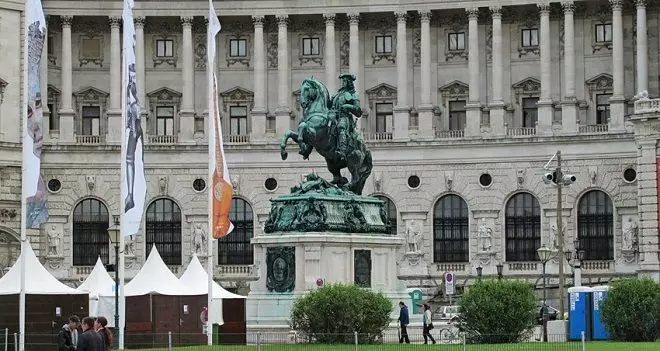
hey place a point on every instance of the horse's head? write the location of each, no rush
(311, 93)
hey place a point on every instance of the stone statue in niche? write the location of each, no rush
(54, 239)
(199, 239)
(162, 184)
(485, 236)
(629, 234)
(91, 182)
(413, 236)
(129, 246)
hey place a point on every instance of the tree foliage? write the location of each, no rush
(332, 313)
(497, 311)
(631, 310)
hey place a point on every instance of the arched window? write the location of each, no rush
(596, 226)
(523, 228)
(163, 228)
(390, 211)
(10, 249)
(236, 248)
(451, 230)
(90, 233)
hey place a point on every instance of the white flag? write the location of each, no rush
(220, 194)
(134, 188)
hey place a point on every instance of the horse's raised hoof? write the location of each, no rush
(284, 155)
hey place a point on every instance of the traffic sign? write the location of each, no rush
(449, 283)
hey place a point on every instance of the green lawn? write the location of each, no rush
(527, 346)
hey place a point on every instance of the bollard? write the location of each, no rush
(169, 341)
(584, 341)
(355, 334)
(464, 343)
(258, 341)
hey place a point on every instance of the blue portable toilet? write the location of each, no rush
(579, 312)
(598, 328)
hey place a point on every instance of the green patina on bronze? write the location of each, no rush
(281, 269)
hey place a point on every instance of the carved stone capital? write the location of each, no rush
(473, 13)
(640, 3)
(353, 18)
(139, 22)
(66, 21)
(258, 20)
(329, 19)
(568, 6)
(544, 8)
(496, 12)
(616, 4)
(115, 22)
(282, 20)
(401, 16)
(187, 21)
(424, 16)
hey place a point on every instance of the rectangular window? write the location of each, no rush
(53, 122)
(91, 120)
(238, 120)
(603, 32)
(199, 124)
(383, 44)
(603, 108)
(51, 45)
(530, 37)
(310, 46)
(165, 48)
(456, 41)
(237, 47)
(530, 112)
(384, 113)
(91, 48)
(362, 268)
(457, 115)
(165, 120)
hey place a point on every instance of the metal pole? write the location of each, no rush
(6, 338)
(117, 290)
(560, 235)
(356, 340)
(169, 340)
(16, 342)
(584, 343)
(544, 308)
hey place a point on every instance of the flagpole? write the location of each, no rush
(211, 157)
(122, 222)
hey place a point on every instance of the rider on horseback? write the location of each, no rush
(345, 104)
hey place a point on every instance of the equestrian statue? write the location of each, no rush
(328, 125)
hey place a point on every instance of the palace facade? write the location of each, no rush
(465, 103)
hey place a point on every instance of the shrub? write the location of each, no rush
(631, 310)
(332, 314)
(497, 311)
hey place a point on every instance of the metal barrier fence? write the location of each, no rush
(443, 340)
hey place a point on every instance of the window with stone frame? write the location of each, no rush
(311, 46)
(595, 217)
(91, 108)
(199, 124)
(90, 233)
(238, 117)
(603, 108)
(529, 37)
(599, 88)
(522, 229)
(530, 112)
(238, 47)
(311, 41)
(451, 230)
(383, 40)
(457, 115)
(384, 115)
(236, 249)
(456, 41)
(238, 43)
(53, 108)
(237, 104)
(163, 229)
(383, 44)
(164, 120)
(454, 37)
(52, 52)
(603, 32)
(381, 102)
(91, 50)
(91, 120)
(164, 48)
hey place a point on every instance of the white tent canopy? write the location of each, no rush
(100, 287)
(38, 280)
(156, 278)
(196, 279)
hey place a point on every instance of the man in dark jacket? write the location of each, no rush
(403, 321)
(89, 340)
(67, 338)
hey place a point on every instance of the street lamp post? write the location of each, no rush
(479, 272)
(545, 254)
(499, 267)
(577, 256)
(113, 233)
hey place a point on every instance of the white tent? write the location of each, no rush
(100, 287)
(196, 278)
(156, 278)
(38, 280)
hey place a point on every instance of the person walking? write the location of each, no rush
(67, 338)
(404, 320)
(89, 340)
(106, 335)
(428, 325)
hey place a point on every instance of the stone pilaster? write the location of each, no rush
(113, 132)
(473, 106)
(497, 104)
(187, 115)
(330, 53)
(258, 114)
(282, 115)
(642, 48)
(140, 64)
(545, 108)
(425, 118)
(66, 113)
(569, 103)
(402, 109)
(354, 57)
(618, 99)
(43, 86)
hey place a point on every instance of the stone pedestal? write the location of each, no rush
(67, 126)
(401, 118)
(114, 126)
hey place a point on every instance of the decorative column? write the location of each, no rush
(43, 86)
(187, 115)
(425, 118)
(258, 114)
(569, 104)
(618, 99)
(545, 108)
(113, 131)
(642, 48)
(66, 112)
(354, 58)
(497, 103)
(473, 106)
(402, 109)
(330, 53)
(140, 64)
(282, 114)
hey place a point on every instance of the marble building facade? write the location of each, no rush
(464, 105)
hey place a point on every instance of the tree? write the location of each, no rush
(333, 313)
(631, 310)
(497, 311)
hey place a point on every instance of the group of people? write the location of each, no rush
(90, 334)
(404, 320)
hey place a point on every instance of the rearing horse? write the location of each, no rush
(317, 129)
